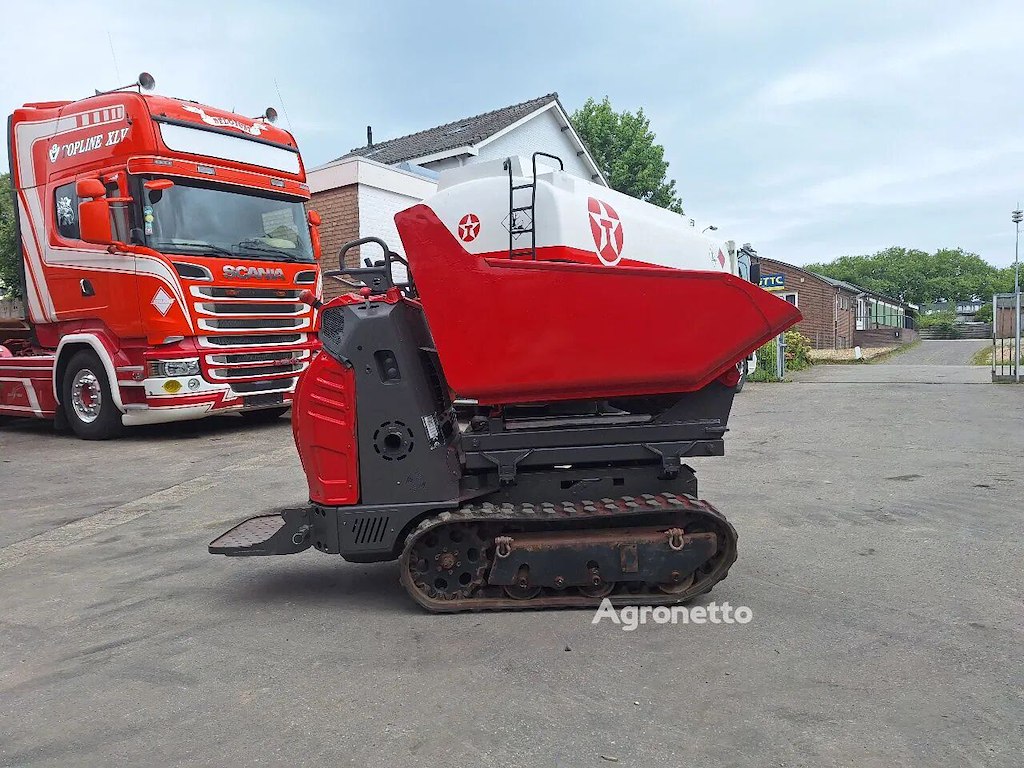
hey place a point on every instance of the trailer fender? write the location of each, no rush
(69, 345)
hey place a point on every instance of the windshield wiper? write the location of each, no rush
(210, 246)
(255, 244)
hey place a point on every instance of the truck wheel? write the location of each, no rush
(264, 415)
(86, 399)
(743, 375)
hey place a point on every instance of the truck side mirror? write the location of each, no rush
(314, 233)
(93, 214)
(155, 189)
(90, 188)
(94, 221)
(755, 272)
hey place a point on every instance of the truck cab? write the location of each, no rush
(748, 268)
(166, 249)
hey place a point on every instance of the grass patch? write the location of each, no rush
(983, 357)
(845, 356)
(893, 352)
(760, 374)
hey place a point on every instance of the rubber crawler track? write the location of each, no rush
(667, 509)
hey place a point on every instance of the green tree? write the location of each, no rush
(1004, 280)
(919, 277)
(622, 144)
(10, 258)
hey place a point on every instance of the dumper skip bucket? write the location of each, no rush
(530, 330)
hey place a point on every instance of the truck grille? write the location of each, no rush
(255, 323)
(238, 358)
(277, 339)
(261, 370)
(245, 293)
(234, 320)
(249, 308)
(225, 364)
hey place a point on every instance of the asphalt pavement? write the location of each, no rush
(880, 555)
(927, 362)
(939, 352)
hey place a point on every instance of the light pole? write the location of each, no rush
(1016, 217)
(712, 227)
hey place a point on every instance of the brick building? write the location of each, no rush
(839, 315)
(356, 198)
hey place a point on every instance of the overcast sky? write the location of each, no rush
(812, 130)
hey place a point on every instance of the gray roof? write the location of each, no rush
(460, 133)
(840, 283)
(859, 289)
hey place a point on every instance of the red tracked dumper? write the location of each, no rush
(593, 340)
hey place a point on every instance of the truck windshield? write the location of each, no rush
(190, 218)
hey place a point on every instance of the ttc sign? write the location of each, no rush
(773, 282)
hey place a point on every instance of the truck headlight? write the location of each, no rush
(167, 368)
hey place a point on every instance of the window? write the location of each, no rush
(191, 216)
(791, 298)
(65, 207)
(118, 214)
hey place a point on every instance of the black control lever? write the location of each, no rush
(379, 273)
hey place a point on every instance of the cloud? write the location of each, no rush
(925, 177)
(898, 130)
(810, 129)
(808, 85)
(860, 71)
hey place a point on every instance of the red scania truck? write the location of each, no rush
(166, 249)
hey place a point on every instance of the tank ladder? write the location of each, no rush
(521, 218)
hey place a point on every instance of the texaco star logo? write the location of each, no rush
(607, 231)
(469, 227)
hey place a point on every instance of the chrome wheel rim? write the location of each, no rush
(86, 396)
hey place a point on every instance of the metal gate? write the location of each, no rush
(771, 360)
(1005, 356)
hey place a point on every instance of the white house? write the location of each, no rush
(537, 125)
(358, 194)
